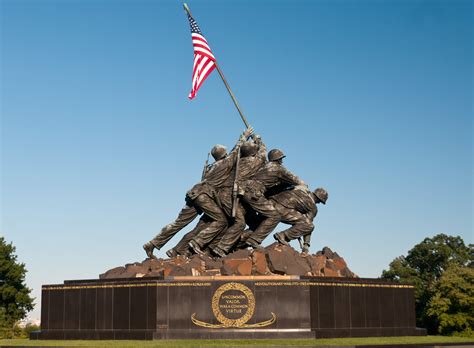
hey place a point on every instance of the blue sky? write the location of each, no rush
(370, 99)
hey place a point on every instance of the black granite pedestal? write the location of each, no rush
(226, 307)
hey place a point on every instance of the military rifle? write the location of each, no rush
(206, 165)
(235, 188)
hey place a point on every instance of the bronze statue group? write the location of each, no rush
(245, 187)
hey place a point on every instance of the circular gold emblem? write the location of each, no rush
(233, 304)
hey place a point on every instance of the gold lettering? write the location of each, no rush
(233, 311)
(241, 297)
(233, 306)
(232, 301)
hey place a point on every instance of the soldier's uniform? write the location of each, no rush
(193, 207)
(248, 166)
(182, 248)
(222, 181)
(239, 224)
(272, 174)
(297, 207)
(202, 199)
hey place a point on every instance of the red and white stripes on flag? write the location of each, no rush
(204, 61)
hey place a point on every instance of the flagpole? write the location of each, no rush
(242, 116)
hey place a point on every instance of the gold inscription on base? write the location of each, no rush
(233, 305)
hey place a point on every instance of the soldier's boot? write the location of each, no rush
(281, 238)
(219, 252)
(250, 243)
(172, 253)
(243, 238)
(196, 248)
(305, 250)
(148, 247)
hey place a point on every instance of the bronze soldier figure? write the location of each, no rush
(253, 157)
(201, 198)
(297, 207)
(182, 248)
(271, 175)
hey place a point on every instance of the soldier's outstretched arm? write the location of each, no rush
(245, 135)
(262, 148)
(248, 132)
(290, 178)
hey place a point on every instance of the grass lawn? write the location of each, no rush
(243, 343)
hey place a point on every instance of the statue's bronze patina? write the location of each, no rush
(242, 188)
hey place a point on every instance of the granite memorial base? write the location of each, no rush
(226, 307)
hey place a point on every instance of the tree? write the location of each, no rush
(15, 300)
(452, 305)
(423, 267)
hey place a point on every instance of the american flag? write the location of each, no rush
(204, 61)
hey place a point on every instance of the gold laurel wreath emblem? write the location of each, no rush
(227, 322)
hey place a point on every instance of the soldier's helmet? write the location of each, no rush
(218, 152)
(275, 155)
(321, 194)
(248, 148)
